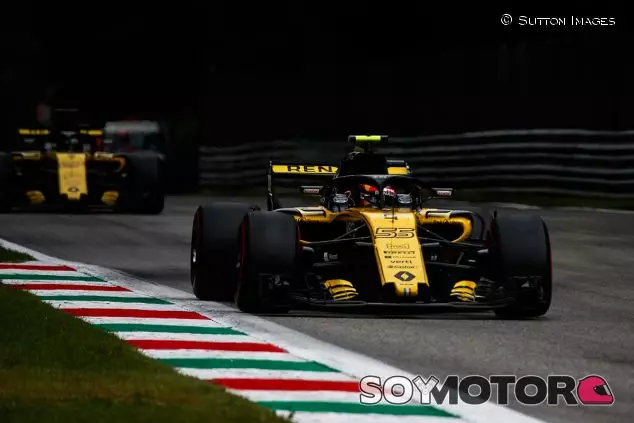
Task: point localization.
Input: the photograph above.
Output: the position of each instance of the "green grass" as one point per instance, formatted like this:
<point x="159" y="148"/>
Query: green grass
<point x="10" y="256"/>
<point x="56" y="368"/>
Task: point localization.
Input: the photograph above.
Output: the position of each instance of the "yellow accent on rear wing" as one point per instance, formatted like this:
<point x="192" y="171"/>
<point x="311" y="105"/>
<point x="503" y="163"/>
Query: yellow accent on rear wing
<point x="299" y="172"/>
<point x="23" y="131"/>
<point x="91" y="132"/>
<point x="367" y="138"/>
<point x="303" y="169"/>
<point x="27" y="155"/>
<point x="398" y="170"/>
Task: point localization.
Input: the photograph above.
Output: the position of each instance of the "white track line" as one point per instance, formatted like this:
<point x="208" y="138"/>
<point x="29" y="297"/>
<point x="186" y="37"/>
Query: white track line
<point x="59" y="273"/>
<point x="262" y="374"/>
<point x="153" y="321"/>
<point x="257" y="395"/>
<point x="60" y="282"/>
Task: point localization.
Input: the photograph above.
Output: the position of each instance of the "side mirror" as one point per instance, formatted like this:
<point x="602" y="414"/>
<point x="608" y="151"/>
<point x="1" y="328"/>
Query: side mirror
<point x="443" y="192"/>
<point x="310" y="189"/>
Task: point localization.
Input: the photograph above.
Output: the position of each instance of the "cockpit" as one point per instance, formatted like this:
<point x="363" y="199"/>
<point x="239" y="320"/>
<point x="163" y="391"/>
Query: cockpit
<point x="377" y="191"/>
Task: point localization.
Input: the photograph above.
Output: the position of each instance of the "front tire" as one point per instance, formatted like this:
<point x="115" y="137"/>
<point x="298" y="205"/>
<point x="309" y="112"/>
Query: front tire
<point x="215" y="246"/>
<point x="269" y="246"/>
<point x="522" y="264"/>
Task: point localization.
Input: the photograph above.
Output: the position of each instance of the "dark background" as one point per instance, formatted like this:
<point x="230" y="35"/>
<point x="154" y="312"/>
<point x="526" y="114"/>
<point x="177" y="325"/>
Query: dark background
<point x="263" y="70"/>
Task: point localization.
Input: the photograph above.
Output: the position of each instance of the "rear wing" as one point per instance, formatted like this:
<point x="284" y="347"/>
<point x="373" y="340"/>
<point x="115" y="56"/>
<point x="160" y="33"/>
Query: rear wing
<point x="43" y="132"/>
<point x="299" y="174"/>
<point x="302" y="169"/>
<point x="306" y="177"/>
<point x="81" y="138"/>
<point x="304" y="174"/>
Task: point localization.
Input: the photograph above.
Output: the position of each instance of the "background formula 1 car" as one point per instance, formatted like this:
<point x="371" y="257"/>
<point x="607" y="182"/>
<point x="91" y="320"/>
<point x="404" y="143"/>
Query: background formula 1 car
<point x="369" y="243"/>
<point x="67" y="167"/>
<point x="133" y="135"/>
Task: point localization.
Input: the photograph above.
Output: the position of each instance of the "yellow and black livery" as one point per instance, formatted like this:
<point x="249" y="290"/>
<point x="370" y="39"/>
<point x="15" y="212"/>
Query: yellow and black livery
<point x="65" y="169"/>
<point x="373" y="240"/>
<point x="361" y="160"/>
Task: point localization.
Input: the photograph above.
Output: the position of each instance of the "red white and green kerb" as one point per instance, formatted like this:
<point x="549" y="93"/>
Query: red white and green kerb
<point x="199" y="346"/>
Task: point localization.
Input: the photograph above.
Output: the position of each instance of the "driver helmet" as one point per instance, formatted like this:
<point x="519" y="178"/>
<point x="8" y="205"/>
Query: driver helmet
<point x="368" y="195"/>
<point x="393" y="198"/>
<point x="389" y="196"/>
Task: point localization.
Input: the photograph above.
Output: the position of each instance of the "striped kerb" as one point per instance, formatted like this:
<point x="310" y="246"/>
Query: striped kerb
<point x="69" y="287"/>
<point x="223" y="363"/>
<point x="135" y="327"/>
<point x="287" y="385"/>
<point x="114" y="312"/>
<point x="204" y="348"/>
<point x="150" y="344"/>
<point x="51" y="277"/>
<point x="140" y="300"/>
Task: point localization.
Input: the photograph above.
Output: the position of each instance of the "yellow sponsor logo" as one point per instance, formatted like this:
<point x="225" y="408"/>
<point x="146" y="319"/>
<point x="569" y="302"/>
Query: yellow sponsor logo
<point x="327" y="170"/>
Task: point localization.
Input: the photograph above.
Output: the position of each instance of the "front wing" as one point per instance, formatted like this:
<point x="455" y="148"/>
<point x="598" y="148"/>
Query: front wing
<point x="64" y="181"/>
<point x="297" y="301"/>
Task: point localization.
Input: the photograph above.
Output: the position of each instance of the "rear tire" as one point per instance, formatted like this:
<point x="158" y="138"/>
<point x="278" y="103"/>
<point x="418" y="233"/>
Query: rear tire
<point x="522" y="264"/>
<point x="147" y="194"/>
<point x="215" y="246"/>
<point x="269" y="245"/>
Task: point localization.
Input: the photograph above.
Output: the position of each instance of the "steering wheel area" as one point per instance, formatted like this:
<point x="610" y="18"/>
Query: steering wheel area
<point x="377" y="191"/>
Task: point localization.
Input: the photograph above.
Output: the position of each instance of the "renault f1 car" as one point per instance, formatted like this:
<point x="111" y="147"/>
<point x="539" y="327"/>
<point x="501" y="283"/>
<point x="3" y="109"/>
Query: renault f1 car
<point x="68" y="169"/>
<point x="369" y="243"/>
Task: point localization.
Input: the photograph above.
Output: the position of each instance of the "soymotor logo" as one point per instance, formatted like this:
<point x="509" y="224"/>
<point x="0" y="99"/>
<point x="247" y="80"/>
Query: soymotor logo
<point x="527" y="390"/>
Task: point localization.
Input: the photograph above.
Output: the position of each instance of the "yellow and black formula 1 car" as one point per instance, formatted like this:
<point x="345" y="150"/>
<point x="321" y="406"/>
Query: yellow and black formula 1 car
<point x="68" y="170"/>
<point x="370" y="243"/>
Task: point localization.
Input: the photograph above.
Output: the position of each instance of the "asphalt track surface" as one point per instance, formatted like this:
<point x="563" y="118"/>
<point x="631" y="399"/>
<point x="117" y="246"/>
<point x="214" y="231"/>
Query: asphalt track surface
<point x="589" y="329"/>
